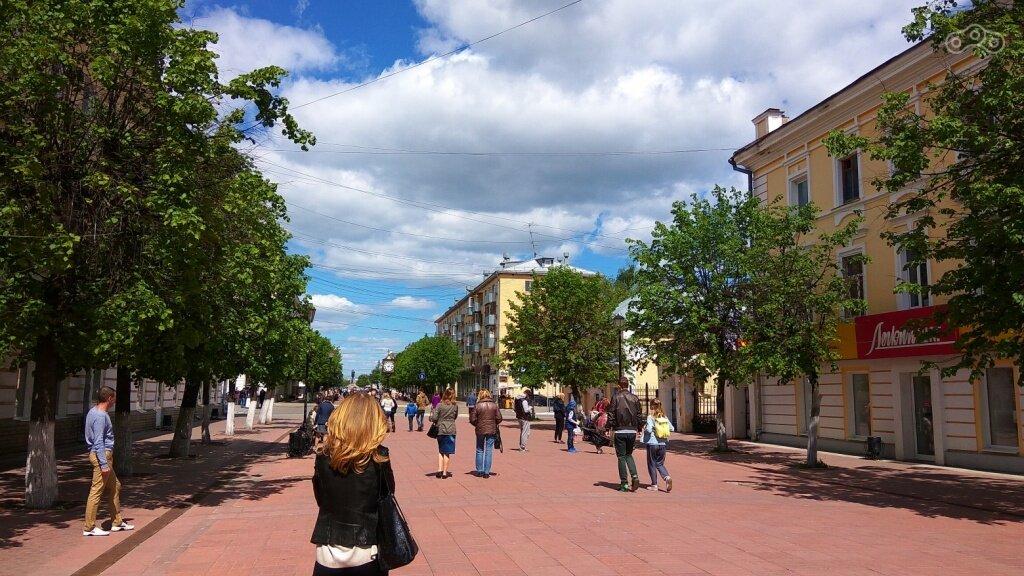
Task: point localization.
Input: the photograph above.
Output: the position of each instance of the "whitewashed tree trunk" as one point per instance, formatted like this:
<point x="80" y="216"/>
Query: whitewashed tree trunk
<point x="158" y="410"/>
<point x="229" y="422"/>
<point x="250" y="416"/>
<point x="263" y="412"/>
<point x="206" y="439"/>
<point x="40" y="466"/>
<point x="270" y="410"/>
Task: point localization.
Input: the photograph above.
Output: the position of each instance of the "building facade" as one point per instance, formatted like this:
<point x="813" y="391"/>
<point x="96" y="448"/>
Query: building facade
<point x="879" y="389"/>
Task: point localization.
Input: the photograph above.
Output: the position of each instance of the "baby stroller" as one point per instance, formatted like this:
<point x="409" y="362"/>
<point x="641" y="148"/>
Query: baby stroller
<point x="595" y="435"/>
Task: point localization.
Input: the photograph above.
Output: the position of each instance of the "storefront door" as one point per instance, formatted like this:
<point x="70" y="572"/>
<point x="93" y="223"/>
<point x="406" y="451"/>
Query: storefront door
<point x="923" y="423"/>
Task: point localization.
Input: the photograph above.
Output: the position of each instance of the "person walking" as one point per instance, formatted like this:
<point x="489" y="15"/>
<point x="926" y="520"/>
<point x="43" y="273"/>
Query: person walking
<point x="347" y="476"/>
<point x="435" y="400"/>
<point x="410" y="413"/>
<point x="421" y="409"/>
<point x="444" y="414"/>
<point x="471" y="403"/>
<point x="388" y="404"/>
<point x="524" y="414"/>
<point x="570" y="425"/>
<point x="99" y="437"/>
<point x="324" y="408"/>
<point x="485" y="419"/>
<point x="656" y="434"/>
<point x="624" y="418"/>
<point x="558" y="408"/>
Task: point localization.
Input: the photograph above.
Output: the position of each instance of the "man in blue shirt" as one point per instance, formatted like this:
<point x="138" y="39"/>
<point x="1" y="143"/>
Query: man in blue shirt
<point x="99" y="437"/>
<point x="323" y="411"/>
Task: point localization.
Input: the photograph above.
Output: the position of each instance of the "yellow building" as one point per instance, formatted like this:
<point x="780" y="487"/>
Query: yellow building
<point x="877" y="390"/>
<point x="478" y="321"/>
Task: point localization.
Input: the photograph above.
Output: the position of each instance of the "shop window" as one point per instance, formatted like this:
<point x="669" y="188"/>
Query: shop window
<point x="999" y="407"/>
<point x="860" y="404"/>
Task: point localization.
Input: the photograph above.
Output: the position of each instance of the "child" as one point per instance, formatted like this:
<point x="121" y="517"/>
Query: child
<point x="410" y="413"/>
<point x="570" y="425"/>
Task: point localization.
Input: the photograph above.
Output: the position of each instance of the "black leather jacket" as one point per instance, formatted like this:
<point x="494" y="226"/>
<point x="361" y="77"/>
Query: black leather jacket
<point x="348" y="503"/>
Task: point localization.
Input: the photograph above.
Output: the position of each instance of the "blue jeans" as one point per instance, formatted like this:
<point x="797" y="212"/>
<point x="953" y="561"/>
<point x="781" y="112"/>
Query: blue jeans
<point x="419" y="419"/>
<point x="571" y="431"/>
<point x="484" y="452"/>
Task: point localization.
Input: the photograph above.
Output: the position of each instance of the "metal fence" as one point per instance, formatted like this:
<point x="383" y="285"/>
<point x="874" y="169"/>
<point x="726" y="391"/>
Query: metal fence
<point x="706" y="409"/>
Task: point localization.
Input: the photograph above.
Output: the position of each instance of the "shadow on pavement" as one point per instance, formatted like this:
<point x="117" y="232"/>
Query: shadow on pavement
<point x="215" y="473"/>
<point x="927" y="491"/>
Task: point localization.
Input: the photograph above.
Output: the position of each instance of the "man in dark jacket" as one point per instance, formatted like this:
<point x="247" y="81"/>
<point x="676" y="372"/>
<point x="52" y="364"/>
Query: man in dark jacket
<point x="624" y="419"/>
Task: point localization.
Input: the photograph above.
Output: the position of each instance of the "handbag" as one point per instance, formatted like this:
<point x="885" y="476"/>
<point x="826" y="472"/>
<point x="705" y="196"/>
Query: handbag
<point x="395" y="544"/>
<point x="497" y="440"/>
<point x="432" y="431"/>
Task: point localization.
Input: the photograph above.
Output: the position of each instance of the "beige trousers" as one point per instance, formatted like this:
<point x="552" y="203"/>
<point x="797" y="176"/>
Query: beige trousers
<point x="101" y="484"/>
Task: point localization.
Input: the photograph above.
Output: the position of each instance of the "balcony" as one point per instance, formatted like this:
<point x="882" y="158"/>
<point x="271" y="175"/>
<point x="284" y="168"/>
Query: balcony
<point x="491" y="341"/>
<point x="491" y="320"/>
<point x="476" y="327"/>
<point x="490" y="297"/>
<point x="475" y="348"/>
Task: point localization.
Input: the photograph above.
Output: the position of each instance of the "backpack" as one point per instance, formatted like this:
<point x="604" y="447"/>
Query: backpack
<point x="517" y="405"/>
<point x="662" y="428"/>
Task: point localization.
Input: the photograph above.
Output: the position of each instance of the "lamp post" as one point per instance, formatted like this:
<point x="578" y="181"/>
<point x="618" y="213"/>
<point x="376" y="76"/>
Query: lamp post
<point x="305" y="392"/>
<point x="387" y="366"/>
<point x="619" y="320"/>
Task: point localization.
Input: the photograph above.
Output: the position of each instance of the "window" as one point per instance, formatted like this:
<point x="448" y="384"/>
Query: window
<point x="1000" y="415"/>
<point x="799" y="191"/>
<point x="852" y="267"/>
<point x="849" y="179"/>
<point x="914" y="274"/>
<point x="529" y="285"/>
<point x="860" y="392"/>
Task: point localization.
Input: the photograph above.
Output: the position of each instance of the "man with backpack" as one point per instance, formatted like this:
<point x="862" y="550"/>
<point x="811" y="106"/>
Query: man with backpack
<point x="524" y="413"/>
<point x="624" y="418"/>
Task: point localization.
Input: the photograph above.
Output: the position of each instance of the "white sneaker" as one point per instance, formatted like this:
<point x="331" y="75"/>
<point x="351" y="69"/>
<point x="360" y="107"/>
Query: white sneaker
<point x="96" y="531"/>
<point x="653" y="487"/>
<point x="122" y="526"/>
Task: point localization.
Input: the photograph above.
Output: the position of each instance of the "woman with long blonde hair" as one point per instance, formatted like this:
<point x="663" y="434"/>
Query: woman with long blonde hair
<point x="347" y="476"/>
<point x="656" y="433"/>
<point x="445" y="414"/>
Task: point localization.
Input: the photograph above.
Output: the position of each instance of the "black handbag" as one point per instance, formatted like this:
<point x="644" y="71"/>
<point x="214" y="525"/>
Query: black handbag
<point x="432" y="431"/>
<point x="497" y="439"/>
<point x="395" y="544"/>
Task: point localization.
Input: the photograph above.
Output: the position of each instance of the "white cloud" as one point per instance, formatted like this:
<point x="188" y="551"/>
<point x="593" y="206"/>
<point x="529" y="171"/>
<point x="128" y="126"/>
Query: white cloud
<point x="412" y="303"/>
<point x="640" y="78"/>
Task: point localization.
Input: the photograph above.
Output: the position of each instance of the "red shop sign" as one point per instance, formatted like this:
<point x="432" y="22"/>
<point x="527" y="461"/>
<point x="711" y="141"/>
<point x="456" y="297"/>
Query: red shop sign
<point x="886" y="335"/>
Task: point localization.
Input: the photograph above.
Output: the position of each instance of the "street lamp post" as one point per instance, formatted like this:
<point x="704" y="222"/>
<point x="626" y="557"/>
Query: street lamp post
<point x="619" y="320"/>
<point x="305" y="392"/>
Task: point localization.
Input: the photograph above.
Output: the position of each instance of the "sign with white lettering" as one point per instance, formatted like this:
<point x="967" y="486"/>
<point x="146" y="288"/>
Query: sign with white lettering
<point x="888" y="336"/>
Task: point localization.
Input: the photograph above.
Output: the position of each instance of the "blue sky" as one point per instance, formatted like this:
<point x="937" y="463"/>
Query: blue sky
<point x="566" y="134"/>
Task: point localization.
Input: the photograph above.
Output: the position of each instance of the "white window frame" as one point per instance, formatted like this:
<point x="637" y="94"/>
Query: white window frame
<point x="855" y="251"/>
<point x="851" y="409"/>
<point x="986" y="416"/>
<point x="908" y="301"/>
<point x="838" y="169"/>
<point x="794" y="183"/>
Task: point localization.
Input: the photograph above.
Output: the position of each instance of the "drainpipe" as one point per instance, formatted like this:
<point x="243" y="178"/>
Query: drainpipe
<point x="747" y="171"/>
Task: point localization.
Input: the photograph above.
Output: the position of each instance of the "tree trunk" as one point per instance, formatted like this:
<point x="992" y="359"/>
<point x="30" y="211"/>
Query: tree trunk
<point x="123" y="423"/>
<point x="812" y="424"/>
<point x="250" y="414"/>
<point x="229" y="422"/>
<point x="181" y="442"/>
<point x="41" y="462"/>
<point x="159" y="410"/>
<point x="722" y="441"/>
<point x="263" y="412"/>
<point x="206" y="414"/>
<point x="270" y="410"/>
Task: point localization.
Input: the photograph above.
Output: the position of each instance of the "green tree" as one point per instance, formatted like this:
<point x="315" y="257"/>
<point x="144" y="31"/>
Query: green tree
<point x="798" y="299"/>
<point x="436" y="357"/>
<point x="960" y="159"/>
<point x="693" y="291"/>
<point x="562" y="331"/>
<point x="113" y="117"/>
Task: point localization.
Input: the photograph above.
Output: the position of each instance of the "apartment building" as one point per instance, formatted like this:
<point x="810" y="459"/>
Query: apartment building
<point x="878" y="389"/>
<point x="478" y="320"/>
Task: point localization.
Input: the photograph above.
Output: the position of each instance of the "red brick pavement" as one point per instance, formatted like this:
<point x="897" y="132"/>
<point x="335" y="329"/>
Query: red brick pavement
<point x="544" y="512"/>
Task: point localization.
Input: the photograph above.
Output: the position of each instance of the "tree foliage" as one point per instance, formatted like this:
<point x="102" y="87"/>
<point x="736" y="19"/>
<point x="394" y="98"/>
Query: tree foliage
<point x="562" y="331"/>
<point x="436" y="357"/>
<point x="693" y="290"/>
<point x="960" y="161"/>
<point x="132" y="230"/>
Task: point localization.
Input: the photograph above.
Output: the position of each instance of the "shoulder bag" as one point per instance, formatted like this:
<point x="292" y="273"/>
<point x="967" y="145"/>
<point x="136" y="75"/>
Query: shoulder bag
<point x="395" y="544"/>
